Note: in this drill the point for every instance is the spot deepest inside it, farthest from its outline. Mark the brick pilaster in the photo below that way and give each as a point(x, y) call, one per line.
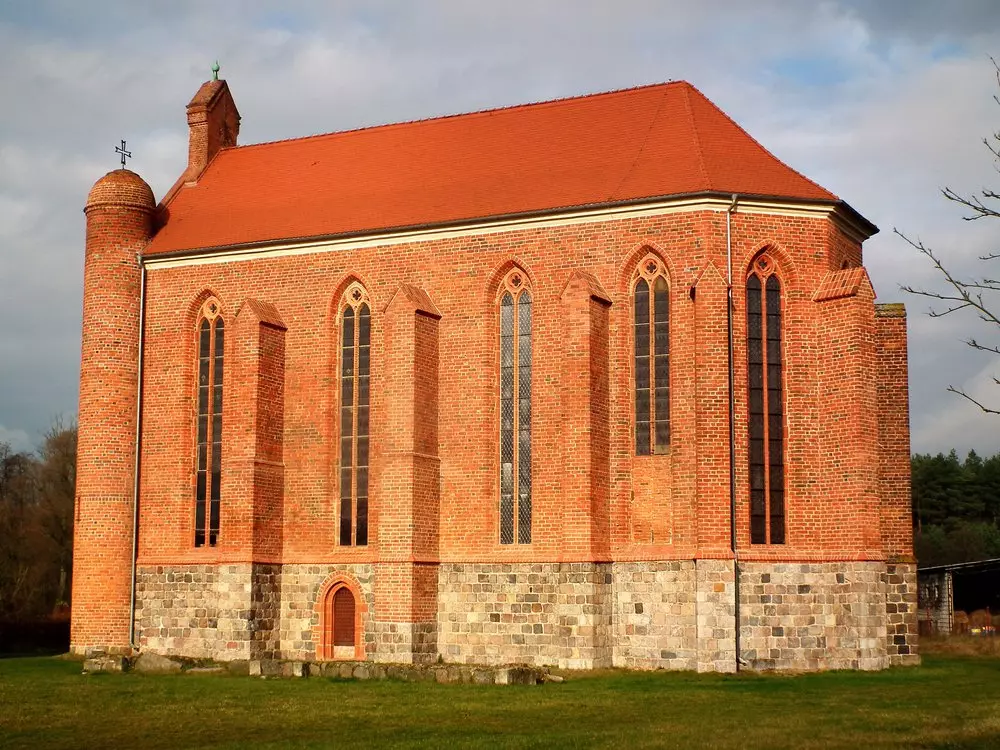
point(585, 421)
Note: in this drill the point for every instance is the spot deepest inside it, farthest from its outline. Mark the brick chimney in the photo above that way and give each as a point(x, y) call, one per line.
point(213, 123)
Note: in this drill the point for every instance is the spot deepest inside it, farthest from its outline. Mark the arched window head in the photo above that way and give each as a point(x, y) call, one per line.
point(651, 346)
point(208, 475)
point(355, 379)
point(766, 402)
point(515, 408)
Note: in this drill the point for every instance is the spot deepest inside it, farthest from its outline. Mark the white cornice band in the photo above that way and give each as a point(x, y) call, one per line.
point(835, 212)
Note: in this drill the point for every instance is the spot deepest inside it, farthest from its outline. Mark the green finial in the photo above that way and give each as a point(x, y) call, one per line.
point(215, 71)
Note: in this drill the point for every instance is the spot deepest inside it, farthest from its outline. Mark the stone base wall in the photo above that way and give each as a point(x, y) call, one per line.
point(301, 587)
point(655, 615)
point(221, 612)
point(674, 615)
point(405, 642)
point(640, 615)
point(901, 613)
point(546, 614)
point(813, 616)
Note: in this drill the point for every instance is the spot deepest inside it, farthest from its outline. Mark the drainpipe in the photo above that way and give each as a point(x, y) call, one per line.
point(138, 449)
point(732, 428)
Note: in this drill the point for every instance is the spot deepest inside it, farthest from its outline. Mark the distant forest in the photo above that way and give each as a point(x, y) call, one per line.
point(956, 508)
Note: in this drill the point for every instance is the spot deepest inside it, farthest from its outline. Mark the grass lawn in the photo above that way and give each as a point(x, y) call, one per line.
point(951, 701)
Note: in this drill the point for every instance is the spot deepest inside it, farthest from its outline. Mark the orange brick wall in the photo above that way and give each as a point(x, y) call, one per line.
point(660, 507)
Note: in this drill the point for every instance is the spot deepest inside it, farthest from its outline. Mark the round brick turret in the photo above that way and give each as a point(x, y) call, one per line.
point(119, 225)
point(121, 188)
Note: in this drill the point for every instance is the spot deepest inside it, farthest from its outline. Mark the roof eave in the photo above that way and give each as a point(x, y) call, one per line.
point(849, 219)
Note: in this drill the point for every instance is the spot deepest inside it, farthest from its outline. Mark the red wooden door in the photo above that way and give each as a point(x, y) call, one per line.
point(343, 618)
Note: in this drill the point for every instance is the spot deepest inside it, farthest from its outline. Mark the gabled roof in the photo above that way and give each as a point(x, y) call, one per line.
point(649, 142)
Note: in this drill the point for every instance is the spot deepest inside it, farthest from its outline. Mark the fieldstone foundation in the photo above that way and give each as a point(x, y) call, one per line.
point(643, 615)
point(901, 594)
point(819, 615)
point(546, 614)
point(221, 612)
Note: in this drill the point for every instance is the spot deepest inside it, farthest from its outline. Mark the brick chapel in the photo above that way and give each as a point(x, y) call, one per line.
point(588, 382)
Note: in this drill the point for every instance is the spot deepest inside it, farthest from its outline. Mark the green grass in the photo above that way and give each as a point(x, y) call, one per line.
point(948, 702)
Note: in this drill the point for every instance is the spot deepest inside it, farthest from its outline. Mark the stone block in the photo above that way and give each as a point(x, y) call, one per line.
point(151, 663)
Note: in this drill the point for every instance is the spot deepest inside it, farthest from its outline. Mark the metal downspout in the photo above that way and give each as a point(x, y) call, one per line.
point(732, 429)
point(138, 449)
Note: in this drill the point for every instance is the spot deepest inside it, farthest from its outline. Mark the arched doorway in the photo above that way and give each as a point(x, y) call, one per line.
point(340, 624)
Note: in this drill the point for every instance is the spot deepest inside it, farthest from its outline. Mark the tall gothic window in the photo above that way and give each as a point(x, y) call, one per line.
point(766, 408)
point(651, 318)
point(515, 410)
point(208, 483)
point(355, 376)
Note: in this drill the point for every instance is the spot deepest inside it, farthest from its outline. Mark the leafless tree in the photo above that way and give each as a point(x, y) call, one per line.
point(36, 525)
point(975, 294)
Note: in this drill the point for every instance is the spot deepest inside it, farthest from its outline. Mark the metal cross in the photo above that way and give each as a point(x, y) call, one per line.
point(125, 154)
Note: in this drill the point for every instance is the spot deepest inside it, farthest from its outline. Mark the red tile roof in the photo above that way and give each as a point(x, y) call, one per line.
point(660, 140)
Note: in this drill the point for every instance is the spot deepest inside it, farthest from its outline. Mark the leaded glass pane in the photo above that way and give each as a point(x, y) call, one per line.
point(205, 340)
point(506, 519)
point(662, 434)
point(361, 537)
point(642, 447)
point(524, 518)
point(364, 328)
point(363, 361)
point(203, 426)
point(641, 303)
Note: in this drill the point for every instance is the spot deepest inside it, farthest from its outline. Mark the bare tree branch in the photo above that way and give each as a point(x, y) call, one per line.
point(968, 294)
point(966, 396)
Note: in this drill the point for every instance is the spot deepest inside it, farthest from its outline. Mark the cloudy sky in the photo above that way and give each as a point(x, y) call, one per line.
point(881, 102)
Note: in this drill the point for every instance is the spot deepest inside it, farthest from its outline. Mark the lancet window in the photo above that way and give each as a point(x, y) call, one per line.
point(651, 349)
point(766, 403)
point(208, 482)
point(515, 409)
point(355, 379)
